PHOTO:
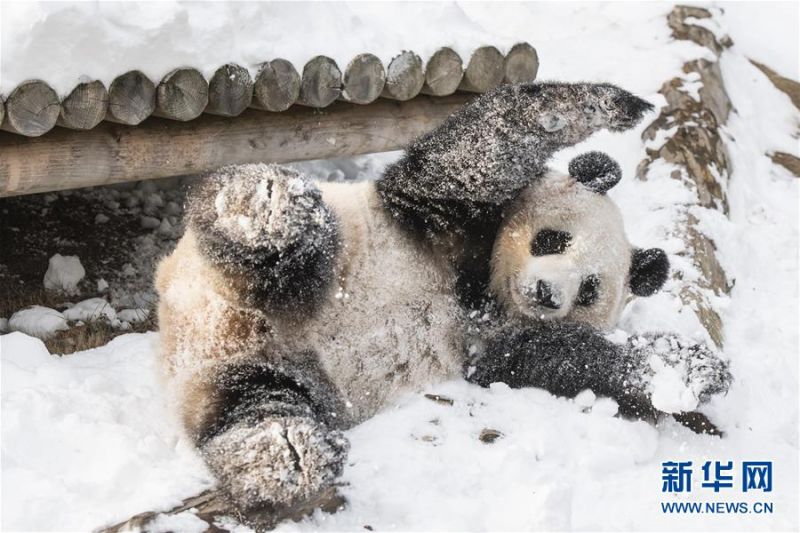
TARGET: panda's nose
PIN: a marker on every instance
(545, 296)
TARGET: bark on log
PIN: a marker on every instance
(695, 147)
(364, 79)
(32, 109)
(85, 107)
(230, 91)
(485, 70)
(521, 64)
(181, 95)
(131, 98)
(443, 72)
(160, 148)
(404, 77)
(321, 83)
(277, 86)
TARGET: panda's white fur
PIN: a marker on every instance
(389, 323)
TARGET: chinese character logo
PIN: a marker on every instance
(719, 479)
(757, 475)
(677, 476)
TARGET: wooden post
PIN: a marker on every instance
(364, 79)
(443, 72)
(31, 109)
(85, 107)
(277, 86)
(131, 98)
(158, 148)
(404, 78)
(181, 95)
(484, 71)
(321, 83)
(521, 64)
(230, 91)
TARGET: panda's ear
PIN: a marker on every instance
(596, 171)
(649, 271)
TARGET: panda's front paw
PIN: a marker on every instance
(280, 467)
(682, 374)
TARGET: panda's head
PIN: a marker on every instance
(562, 252)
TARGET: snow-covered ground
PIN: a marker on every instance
(89, 439)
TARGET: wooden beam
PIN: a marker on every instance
(31, 109)
(277, 86)
(158, 148)
(404, 77)
(443, 72)
(85, 107)
(230, 91)
(485, 70)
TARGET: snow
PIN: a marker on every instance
(93, 430)
(91, 309)
(90, 431)
(38, 321)
(64, 273)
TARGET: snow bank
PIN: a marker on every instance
(91, 309)
(88, 437)
(58, 42)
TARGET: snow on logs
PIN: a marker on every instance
(33, 108)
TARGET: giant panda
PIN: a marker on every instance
(291, 310)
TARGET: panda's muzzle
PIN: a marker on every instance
(544, 295)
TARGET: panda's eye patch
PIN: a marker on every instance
(587, 294)
(550, 241)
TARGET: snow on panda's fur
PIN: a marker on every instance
(291, 310)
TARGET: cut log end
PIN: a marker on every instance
(364, 79)
(321, 83)
(131, 98)
(485, 70)
(277, 86)
(230, 91)
(182, 95)
(85, 107)
(404, 78)
(443, 73)
(521, 64)
(31, 109)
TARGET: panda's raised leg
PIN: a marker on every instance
(268, 228)
(269, 434)
(566, 358)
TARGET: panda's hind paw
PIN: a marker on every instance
(280, 467)
(260, 207)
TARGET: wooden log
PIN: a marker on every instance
(181, 95)
(31, 109)
(404, 77)
(321, 84)
(85, 107)
(277, 86)
(521, 64)
(131, 98)
(693, 147)
(484, 71)
(364, 79)
(158, 148)
(443, 72)
(230, 91)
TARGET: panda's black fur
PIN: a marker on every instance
(264, 408)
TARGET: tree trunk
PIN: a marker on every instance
(695, 147)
